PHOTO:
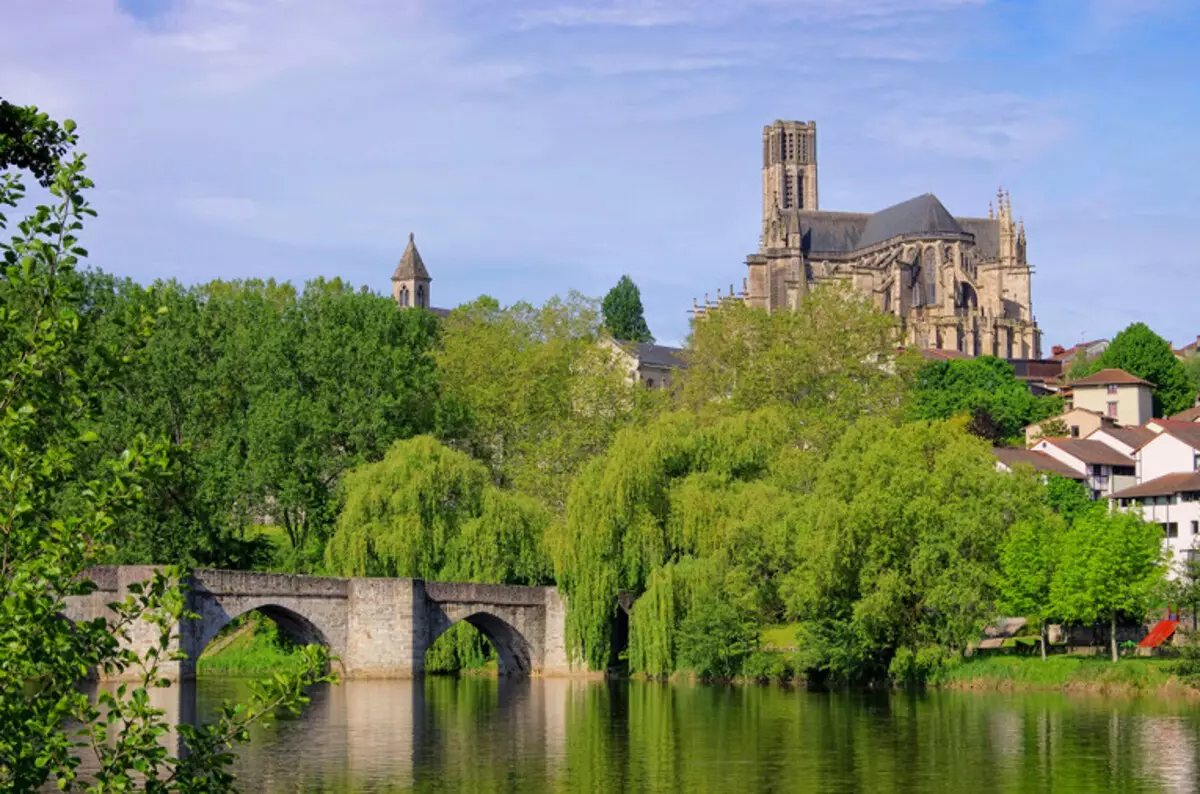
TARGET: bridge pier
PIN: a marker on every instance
(378, 628)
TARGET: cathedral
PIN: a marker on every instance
(957, 283)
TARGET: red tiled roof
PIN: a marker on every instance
(1040, 461)
(937, 354)
(1090, 451)
(1187, 432)
(1107, 376)
(1130, 436)
(1162, 486)
(1070, 352)
(1190, 415)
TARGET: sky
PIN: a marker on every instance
(540, 146)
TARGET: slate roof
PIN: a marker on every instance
(656, 355)
(924, 215)
(1040, 461)
(411, 265)
(1091, 451)
(1107, 376)
(1162, 486)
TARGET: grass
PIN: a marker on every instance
(1131, 674)
(250, 645)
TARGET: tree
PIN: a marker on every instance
(1028, 558)
(1110, 564)
(48, 540)
(623, 314)
(430, 512)
(980, 386)
(834, 359)
(1144, 354)
(30, 140)
(1191, 366)
(532, 392)
(1051, 428)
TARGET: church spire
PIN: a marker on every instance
(410, 281)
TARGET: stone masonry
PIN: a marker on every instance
(378, 628)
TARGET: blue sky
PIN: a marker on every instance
(539, 146)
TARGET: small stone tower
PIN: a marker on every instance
(410, 282)
(789, 167)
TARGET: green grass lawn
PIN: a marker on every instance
(1061, 672)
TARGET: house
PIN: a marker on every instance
(1080, 423)
(1168, 483)
(1189, 414)
(1008, 458)
(1116, 394)
(650, 364)
(1125, 440)
(1105, 469)
(1190, 349)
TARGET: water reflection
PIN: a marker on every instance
(443, 734)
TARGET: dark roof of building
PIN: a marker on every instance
(1129, 436)
(921, 216)
(1187, 432)
(1040, 461)
(441, 313)
(655, 355)
(1107, 376)
(1162, 486)
(1091, 451)
(411, 265)
(1190, 415)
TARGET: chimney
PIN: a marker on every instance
(1057, 350)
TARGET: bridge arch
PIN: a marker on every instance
(513, 651)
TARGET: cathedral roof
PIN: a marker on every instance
(923, 215)
(411, 266)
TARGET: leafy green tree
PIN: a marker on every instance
(1144, 354)
(532, 391)
(52, 530)
(1052, 428)
(431, 512)
(899, 543)
(623, 314)
(1028, 558)
(1191, 366)
(30, 140)
(828, 362)
(1109, 564)
(1070, 498)
(980, 385)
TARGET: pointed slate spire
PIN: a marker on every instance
(411, 266)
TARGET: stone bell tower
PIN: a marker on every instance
(410, 282)
(789, 167)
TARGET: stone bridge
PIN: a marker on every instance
(378, 628)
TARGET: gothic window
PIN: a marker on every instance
(929, 266)
(421, 296)
(404, 297)
(787, 192)
(800, 190)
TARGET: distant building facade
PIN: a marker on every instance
(1116, 394)
(956, 283)
(653, 366)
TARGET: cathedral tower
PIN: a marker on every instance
(410, 282)
(789, 166)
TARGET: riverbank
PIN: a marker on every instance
(1130, 676)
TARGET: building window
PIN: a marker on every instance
(404, 297)
(421, 296)
(1097, 470)
(1196, 462)
(1171, 529)
(1196, 528)
(1112, 388)
(649, 383)
(1112, 409)
(1074, 431)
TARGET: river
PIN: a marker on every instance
(485, 735)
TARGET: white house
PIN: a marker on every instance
(1116, 394)
(1125, 440)
(1168, 489)
(1104, 469)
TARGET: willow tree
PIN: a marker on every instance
(431, 512)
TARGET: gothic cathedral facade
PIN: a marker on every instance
(956, 283)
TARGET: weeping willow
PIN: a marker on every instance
(682, 486)
(430, 512)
